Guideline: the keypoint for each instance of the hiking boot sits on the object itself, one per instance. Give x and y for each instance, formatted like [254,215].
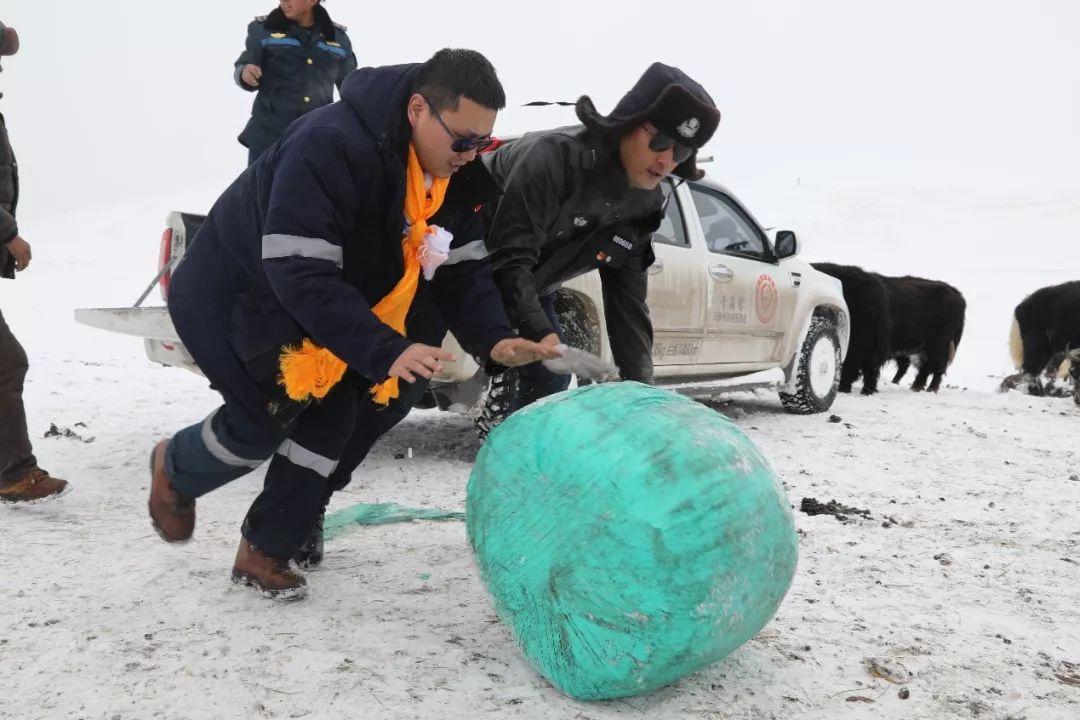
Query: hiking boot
[271,576]
[34,486]
[310,554]
[171,514]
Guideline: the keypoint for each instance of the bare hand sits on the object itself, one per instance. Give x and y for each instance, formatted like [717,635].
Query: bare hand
[20,250]
[251,75]
[419,359]
[513,352]
[550,340]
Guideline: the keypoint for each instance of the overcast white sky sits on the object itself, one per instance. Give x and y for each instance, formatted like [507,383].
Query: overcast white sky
[124,98]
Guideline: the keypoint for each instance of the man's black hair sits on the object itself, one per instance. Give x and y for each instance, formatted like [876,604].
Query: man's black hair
[451,74]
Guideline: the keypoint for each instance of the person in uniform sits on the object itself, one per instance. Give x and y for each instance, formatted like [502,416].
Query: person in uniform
[293,60]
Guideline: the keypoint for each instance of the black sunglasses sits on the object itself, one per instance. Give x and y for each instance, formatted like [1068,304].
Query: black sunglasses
[660,141]
[461,144]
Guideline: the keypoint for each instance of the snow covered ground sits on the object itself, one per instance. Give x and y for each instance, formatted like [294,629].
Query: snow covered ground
[960,589]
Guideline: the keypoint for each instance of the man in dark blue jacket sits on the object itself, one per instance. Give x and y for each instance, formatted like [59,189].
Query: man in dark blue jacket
[294,57]
[300,249]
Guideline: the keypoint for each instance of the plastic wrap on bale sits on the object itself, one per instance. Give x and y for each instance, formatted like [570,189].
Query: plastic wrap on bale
[628,536]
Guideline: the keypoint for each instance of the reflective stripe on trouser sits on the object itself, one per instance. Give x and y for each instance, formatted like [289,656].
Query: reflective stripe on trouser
[218,450]
[372,422]
[289,495]
[282,515]
[331,437]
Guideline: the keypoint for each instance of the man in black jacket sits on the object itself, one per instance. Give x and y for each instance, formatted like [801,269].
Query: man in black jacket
[297,261]
[585,198]
[293,58]
[21,480]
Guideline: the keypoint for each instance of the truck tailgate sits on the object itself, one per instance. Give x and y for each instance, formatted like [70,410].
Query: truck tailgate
[151,322]
[163,345]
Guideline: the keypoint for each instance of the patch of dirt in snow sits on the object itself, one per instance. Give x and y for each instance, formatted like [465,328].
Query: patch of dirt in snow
[841,512]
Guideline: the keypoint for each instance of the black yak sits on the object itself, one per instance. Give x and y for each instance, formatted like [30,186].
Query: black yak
[1045,338]
[927,323]
[871,326]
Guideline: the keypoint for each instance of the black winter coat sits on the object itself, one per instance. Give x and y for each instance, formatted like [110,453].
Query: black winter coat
[9,199]
[567,208]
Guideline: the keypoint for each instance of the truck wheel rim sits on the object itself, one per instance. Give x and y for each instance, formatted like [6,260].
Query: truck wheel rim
[822,367]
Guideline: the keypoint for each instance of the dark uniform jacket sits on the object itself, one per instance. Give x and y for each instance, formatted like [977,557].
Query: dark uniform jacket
[9,198]
[300,68]
[308,239]
[568,208]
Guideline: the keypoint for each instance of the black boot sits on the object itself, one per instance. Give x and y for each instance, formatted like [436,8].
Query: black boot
[310,553]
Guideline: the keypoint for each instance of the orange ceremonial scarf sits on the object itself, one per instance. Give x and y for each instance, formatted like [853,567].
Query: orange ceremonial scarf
[311,371]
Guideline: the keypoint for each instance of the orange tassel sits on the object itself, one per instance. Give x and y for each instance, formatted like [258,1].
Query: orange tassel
[311,371]
[385,391]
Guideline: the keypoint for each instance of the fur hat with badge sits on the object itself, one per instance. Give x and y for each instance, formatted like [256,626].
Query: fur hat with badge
[669,99]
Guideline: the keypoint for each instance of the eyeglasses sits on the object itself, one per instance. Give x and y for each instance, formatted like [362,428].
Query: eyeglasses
[659,142]
[460,144]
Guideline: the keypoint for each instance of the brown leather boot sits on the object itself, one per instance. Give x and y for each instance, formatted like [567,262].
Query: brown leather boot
[34,486]
[269,575]
[172,515]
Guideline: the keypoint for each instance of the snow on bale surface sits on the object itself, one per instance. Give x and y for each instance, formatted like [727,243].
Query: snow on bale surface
[628,536]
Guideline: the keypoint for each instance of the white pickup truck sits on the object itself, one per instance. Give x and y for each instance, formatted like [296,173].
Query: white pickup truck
[727,298]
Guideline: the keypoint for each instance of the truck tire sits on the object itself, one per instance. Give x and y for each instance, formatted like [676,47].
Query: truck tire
[496,402]
[817,373]
[579,328]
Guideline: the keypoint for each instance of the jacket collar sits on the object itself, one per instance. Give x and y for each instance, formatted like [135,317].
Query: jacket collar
[379,97]
[277,22]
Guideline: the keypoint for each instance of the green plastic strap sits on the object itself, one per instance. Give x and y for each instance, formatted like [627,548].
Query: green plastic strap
[341,521]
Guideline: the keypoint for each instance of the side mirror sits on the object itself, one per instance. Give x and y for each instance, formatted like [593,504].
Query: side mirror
[787,245]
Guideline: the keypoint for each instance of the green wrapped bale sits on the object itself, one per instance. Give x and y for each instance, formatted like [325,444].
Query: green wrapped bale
[628,536]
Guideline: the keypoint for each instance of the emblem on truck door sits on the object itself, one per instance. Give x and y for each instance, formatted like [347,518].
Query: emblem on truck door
[765,299]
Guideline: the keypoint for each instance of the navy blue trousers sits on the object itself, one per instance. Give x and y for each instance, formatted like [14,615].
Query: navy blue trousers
[313,450]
